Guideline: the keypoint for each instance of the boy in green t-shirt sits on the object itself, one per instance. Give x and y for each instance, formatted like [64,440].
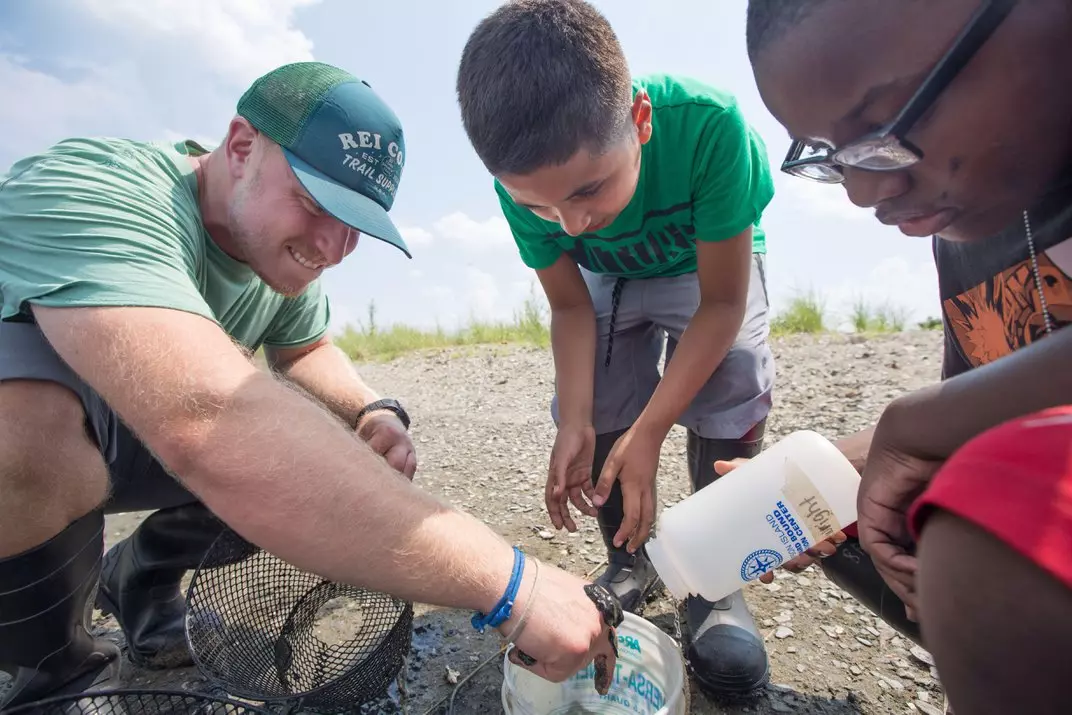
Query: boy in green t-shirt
[638,203]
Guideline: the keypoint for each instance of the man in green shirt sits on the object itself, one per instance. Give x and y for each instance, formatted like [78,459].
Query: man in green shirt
[136,282]
[637,201]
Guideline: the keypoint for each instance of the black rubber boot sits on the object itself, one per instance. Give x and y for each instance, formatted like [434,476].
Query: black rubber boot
[852,569]
[140,582]
[46,597]
[631,577]
[725,652]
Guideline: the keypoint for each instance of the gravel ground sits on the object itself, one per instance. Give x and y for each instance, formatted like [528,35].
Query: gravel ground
[483,435]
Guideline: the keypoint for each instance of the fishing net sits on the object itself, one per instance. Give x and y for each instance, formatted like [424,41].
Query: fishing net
[262,629]
[136,702]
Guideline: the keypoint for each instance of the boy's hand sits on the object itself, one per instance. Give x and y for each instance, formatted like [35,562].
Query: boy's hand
[569,476]
[633,461]
[803,562]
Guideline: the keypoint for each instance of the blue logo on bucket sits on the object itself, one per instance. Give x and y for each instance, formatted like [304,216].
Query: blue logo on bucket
[759,562]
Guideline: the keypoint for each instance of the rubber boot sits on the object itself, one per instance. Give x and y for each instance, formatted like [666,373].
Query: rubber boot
[853,571]
[725,652]
[46,597]
[631,577]
[141,582]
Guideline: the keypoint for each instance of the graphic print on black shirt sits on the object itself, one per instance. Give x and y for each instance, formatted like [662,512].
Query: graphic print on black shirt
[990,302]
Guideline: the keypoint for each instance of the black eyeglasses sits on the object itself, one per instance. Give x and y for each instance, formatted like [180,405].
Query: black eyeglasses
[888,149]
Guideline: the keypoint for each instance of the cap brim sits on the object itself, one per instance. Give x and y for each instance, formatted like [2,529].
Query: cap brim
[348,206]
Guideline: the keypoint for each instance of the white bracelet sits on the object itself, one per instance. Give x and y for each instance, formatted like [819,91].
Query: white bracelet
[528,604]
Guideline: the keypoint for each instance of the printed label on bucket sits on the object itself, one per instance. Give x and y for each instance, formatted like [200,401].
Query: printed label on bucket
[648,679]
[633,690]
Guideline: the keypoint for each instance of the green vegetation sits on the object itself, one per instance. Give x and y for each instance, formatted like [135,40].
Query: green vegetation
[367,341]
[930,324]
[805,314]
[880,319]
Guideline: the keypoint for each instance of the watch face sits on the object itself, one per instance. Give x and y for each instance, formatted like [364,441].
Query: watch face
[395,407]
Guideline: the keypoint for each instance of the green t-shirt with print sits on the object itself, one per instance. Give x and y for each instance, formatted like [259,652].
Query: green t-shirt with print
[704,175]
[113,222]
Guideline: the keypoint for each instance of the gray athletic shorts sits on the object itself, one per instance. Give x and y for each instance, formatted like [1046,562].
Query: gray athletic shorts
[138,481]
[651,310]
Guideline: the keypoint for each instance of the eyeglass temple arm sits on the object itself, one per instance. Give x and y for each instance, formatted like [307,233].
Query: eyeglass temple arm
[977,31]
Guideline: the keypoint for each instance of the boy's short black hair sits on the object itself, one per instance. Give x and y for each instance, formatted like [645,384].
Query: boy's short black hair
[767,20]
[539,80]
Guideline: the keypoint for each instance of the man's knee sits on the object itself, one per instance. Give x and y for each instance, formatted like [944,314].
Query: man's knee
[46,451]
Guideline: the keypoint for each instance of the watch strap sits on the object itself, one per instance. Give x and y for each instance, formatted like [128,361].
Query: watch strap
[384,404]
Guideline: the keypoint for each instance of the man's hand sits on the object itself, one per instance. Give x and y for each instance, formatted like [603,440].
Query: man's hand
[633,461]
[569,476]
[892,479]
[564,630]
[387,436]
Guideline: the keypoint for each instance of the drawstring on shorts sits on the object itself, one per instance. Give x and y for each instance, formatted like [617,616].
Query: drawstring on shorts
[615,299]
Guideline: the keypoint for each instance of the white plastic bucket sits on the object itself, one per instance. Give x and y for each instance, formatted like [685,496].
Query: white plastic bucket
[649,680]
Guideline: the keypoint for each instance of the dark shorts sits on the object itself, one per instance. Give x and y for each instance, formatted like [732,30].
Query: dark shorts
[1014,481]
[139,481]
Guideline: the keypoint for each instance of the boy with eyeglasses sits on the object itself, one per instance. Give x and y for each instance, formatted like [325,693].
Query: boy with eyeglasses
[637,201]
[951,119]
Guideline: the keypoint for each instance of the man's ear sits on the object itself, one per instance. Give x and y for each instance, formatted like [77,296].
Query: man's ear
[642,116]
[240,146]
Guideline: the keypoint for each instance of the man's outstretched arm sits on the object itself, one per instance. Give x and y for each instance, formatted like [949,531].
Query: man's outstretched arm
[275,465]
[282,471]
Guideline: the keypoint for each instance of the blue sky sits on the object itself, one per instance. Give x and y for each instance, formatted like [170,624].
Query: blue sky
[164,69]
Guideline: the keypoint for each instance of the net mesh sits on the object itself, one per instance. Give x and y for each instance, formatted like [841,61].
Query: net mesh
[136,702]
[279,103]
[262,629]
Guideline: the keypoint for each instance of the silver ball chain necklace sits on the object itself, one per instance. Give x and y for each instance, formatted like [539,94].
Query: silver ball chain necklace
[1038,276]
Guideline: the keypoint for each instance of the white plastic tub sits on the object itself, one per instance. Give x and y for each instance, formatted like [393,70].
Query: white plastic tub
[649,680]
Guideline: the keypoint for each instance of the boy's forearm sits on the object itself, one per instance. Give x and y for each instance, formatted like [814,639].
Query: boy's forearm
[702,347]
[573,343]
[936,421]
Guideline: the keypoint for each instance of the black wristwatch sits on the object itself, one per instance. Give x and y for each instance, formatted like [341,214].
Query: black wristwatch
[385,404]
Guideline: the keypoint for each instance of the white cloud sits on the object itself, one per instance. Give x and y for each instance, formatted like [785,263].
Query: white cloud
[238,39]
[819,200]
[483,297]
[415,235]
[439,293]
[41,109]
[184,64]
[460,229]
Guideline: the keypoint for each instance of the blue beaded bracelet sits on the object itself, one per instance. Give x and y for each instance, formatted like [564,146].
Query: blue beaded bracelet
[501,612]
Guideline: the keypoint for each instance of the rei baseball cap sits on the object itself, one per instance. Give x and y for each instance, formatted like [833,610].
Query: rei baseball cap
[344,144]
